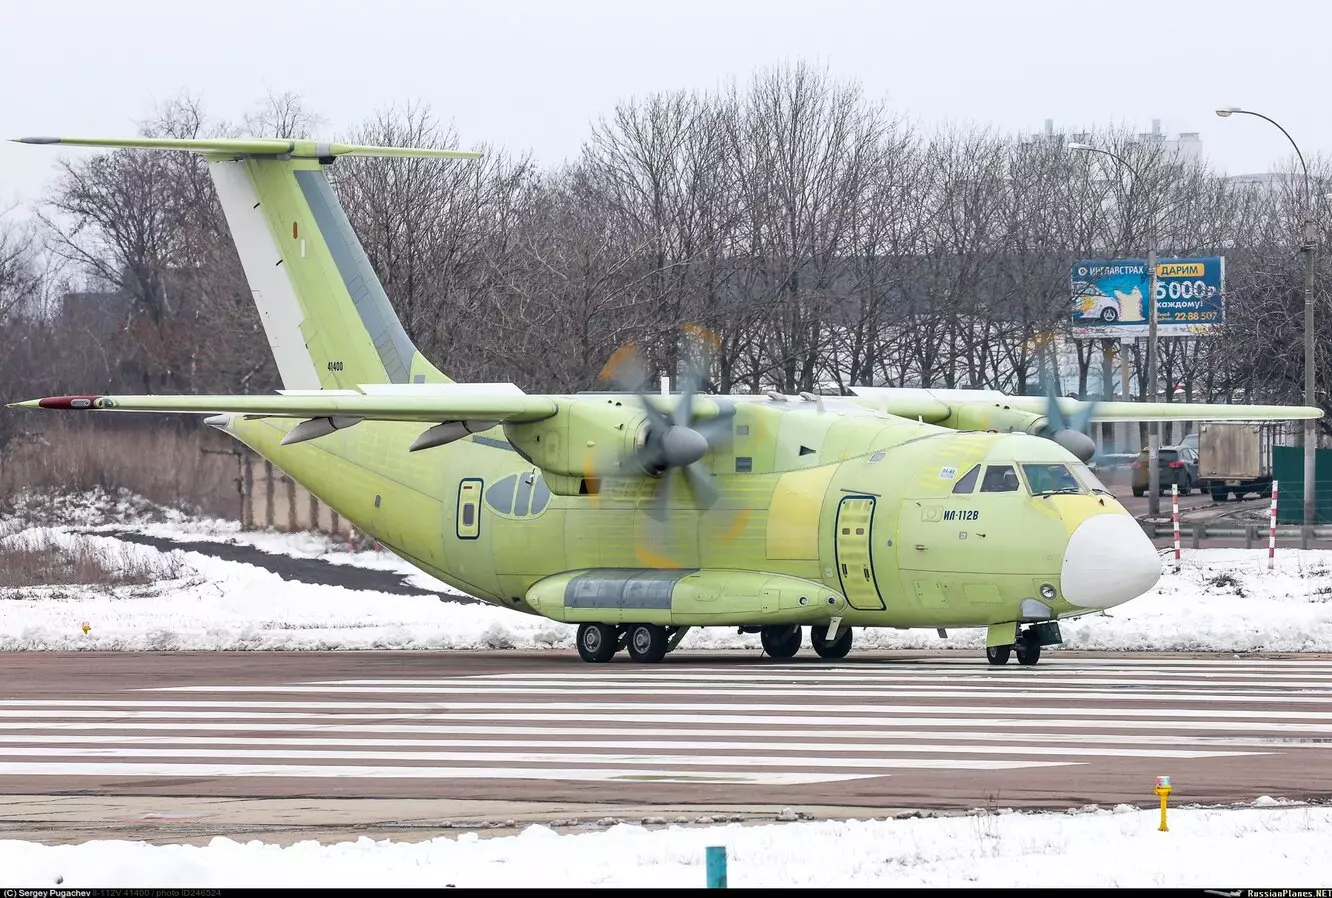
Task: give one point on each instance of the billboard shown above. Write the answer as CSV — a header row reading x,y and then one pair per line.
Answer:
x,y
1110,297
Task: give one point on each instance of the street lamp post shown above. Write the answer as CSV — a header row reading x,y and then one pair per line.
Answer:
x,y
1307,250
1153,426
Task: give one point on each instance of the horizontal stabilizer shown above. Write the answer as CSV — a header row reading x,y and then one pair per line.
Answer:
x,y
249,146
426,409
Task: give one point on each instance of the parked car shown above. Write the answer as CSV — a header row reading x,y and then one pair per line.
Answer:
x,y
1178,465
1092,302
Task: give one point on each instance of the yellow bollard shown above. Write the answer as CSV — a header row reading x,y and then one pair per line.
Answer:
x,y
1163,790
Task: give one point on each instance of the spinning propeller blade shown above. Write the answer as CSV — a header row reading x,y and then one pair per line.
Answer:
x,y
1070,432
674,446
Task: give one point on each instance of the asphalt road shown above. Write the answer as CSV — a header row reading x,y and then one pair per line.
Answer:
x,y
184,746
1195,506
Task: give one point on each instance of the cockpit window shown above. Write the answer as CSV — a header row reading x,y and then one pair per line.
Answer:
x,y
1089,478
968,481
1051,479
999,479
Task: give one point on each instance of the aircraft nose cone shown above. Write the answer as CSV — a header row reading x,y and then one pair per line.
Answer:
x,y
1109,560
681,446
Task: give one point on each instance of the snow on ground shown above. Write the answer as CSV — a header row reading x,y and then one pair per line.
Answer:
x,y
1217,600
1272,845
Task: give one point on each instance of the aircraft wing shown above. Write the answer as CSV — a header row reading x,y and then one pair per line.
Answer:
x,y
429,407
911,402
1168,411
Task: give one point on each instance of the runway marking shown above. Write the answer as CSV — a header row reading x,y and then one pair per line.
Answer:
x,y
488,710
1258,692
157,770
773,721
760,740
771,726
540,758
951,680
542,735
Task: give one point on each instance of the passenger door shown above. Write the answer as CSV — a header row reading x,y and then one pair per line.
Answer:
x,y
855,566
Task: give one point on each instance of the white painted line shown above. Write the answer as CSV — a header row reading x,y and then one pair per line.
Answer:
x,y
566,723
535,736
488,711
1260,692
977,668
538,758
761,741
805,674
110,769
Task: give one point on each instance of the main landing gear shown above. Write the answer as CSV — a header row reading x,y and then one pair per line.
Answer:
x,y
783,640
650,643
1028,644
647,643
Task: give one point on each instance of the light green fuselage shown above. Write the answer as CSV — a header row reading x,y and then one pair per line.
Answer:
x,y
820,515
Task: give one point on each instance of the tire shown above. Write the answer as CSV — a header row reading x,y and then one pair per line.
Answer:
x,y
597,643
831,650
1139,492
1110,315
647,643
781,642
1219,495
1028,652
998,654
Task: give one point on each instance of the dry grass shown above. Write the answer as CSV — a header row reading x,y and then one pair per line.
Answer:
x,y
163,462
40,558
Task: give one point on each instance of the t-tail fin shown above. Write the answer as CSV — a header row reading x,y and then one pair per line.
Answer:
x,y
324,311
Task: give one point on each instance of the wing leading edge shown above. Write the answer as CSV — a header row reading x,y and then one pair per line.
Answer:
x,y
317,404
909,399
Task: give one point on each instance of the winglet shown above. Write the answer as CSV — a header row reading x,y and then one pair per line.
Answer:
x,y
249,146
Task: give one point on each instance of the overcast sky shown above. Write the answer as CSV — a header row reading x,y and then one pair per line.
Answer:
x,y
531,75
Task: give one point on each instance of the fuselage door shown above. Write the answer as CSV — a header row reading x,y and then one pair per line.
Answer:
x,y
469,508
855,565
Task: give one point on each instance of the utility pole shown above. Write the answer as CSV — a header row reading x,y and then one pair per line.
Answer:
x,y
1125,376
1153,426
1310,399
1310,425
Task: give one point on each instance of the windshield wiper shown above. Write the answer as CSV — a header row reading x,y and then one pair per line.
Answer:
x,y
1060,491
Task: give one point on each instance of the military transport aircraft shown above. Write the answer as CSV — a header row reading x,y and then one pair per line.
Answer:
x,y
638,516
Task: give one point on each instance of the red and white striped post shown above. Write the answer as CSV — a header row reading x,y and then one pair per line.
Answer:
x,y
1174,511
1271,530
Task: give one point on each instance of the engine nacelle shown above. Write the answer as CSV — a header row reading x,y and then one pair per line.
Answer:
x,y
583,443
1000,418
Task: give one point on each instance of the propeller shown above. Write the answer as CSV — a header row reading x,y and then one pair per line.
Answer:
x,y
677,442
1069,432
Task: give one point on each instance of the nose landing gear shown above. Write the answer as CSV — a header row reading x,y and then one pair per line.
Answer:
x,y
1028,643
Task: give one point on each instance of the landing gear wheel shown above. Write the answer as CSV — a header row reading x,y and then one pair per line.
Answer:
x,y
1028,650
998,654
647,643
596,642
780,642
838,648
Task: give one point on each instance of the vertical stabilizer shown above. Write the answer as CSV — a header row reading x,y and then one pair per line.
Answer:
x,y
327,318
